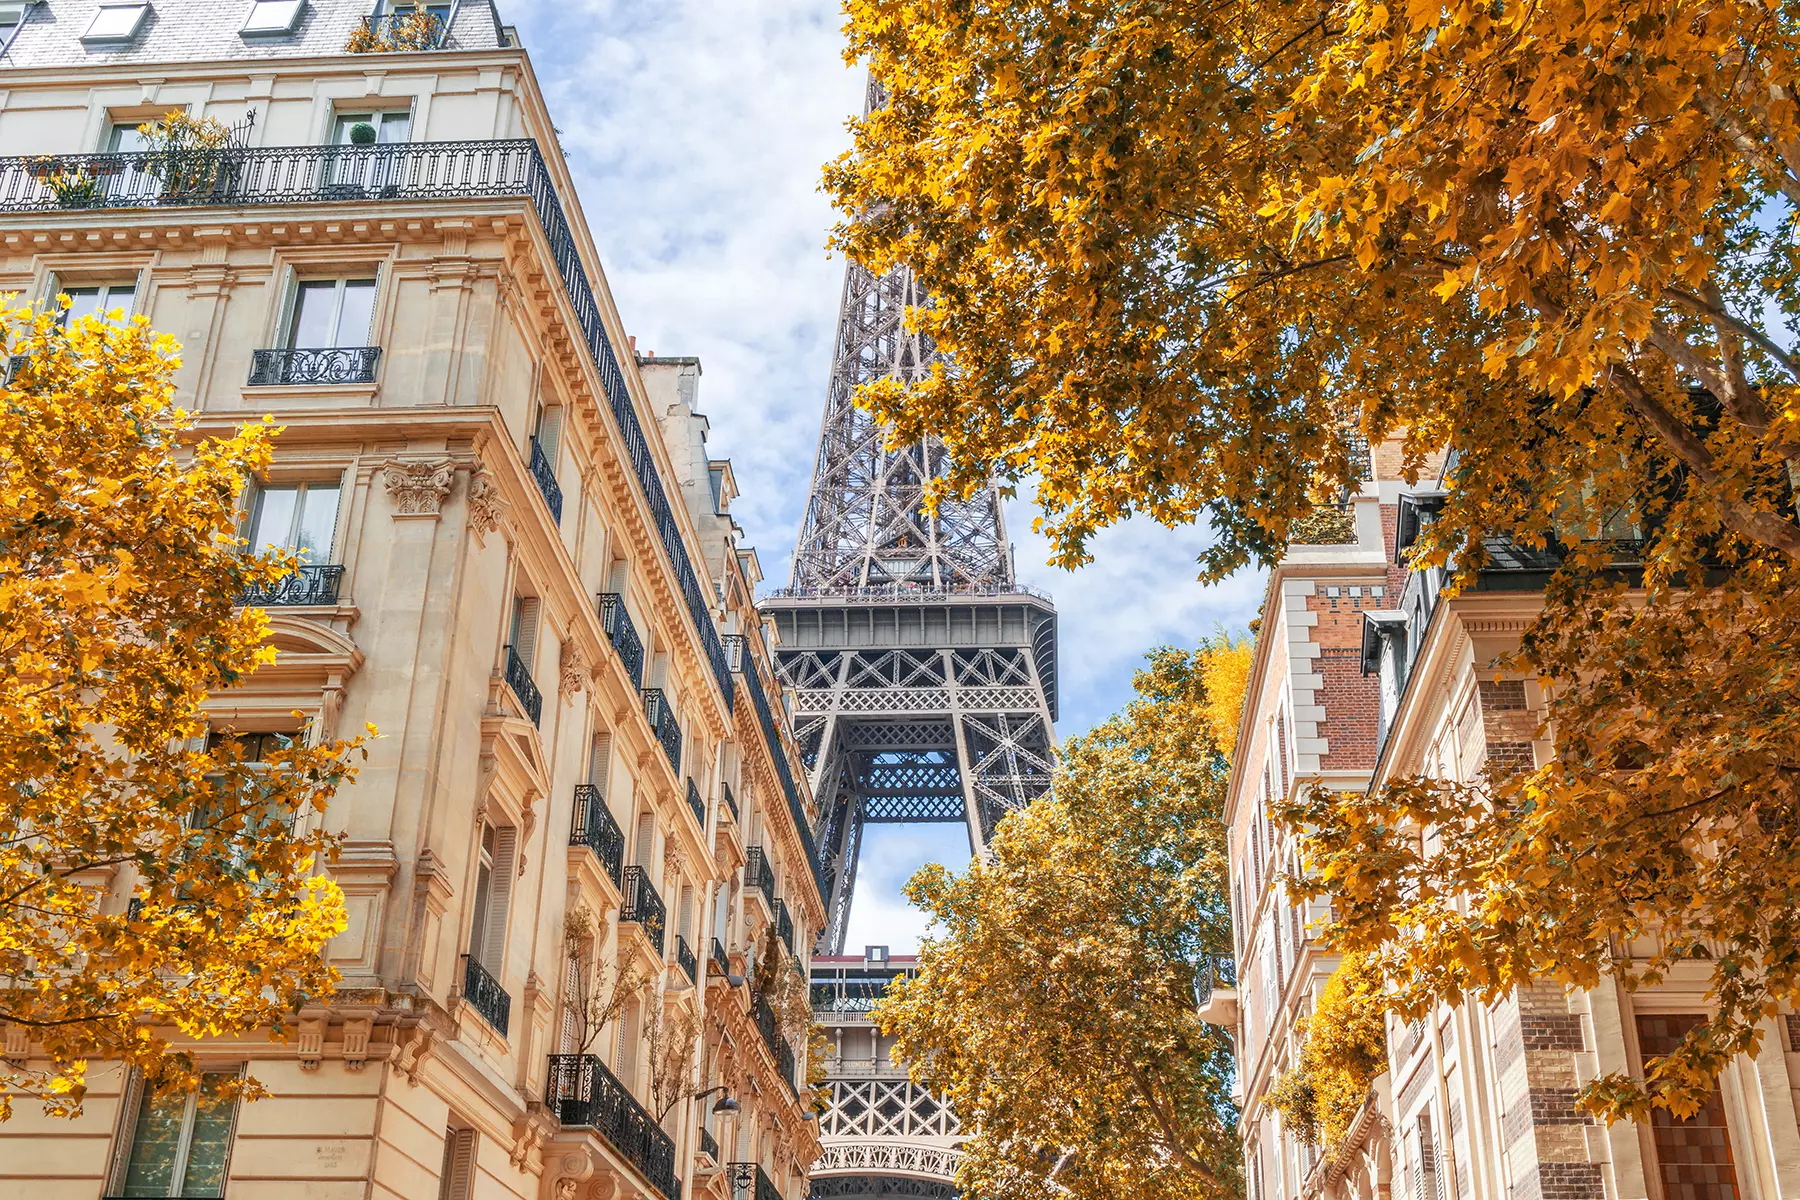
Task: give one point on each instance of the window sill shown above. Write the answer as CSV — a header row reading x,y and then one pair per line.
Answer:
x,y
300,395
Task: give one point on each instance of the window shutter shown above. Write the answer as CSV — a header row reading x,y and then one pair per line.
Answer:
x,y
570,1042
646,831
457,1182
625,1049
549,432
687,911
599,760
130,1100
506,867
524,630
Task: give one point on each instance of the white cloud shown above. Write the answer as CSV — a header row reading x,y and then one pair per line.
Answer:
x,y
696,131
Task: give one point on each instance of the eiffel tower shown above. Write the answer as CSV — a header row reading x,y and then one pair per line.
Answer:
x,y
924,688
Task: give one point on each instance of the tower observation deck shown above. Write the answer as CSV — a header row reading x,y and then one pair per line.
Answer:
x,y
924,679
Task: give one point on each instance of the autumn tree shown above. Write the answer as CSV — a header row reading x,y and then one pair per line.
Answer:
x,y
1053,1007
120,571
1180,253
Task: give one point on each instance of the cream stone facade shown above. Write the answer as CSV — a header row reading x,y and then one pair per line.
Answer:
x,y
1364,673
521,567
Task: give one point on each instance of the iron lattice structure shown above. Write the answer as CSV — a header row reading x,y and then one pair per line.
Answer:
x,y
924,690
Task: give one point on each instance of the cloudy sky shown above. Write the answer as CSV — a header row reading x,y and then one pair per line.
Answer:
x,y
696,131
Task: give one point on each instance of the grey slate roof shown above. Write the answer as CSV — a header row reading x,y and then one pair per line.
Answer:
x,y
207,30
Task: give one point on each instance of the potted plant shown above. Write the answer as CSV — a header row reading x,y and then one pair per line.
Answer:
x,y
188,155
74,189
362,134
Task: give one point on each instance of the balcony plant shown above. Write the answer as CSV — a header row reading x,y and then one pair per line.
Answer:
x,y
399,31
73,188
188,154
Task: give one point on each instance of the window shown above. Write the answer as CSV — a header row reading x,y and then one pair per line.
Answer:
x,y
123,137
330,313
115,24
179,1143
390,125
493,897
272,18
12,13
98,300
301,518
256,747
715,478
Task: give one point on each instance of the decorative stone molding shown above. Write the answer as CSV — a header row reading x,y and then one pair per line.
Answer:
x,y
527,1136
356,1042
573,670
310,1048
487,507
415,1047
419,486
18,1042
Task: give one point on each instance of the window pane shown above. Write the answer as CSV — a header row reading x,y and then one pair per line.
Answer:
x,y
211,1143
125,139
318,521
117,22
272,16
484,886
357,314
340,132
274,518
155,1139
313,304
83,302
396,126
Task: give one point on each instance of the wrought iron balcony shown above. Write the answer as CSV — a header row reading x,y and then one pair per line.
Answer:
x,y
684,958
582,1092
709,1145
721,963
485,995
623,635
748,1182
730,801
766,1025
307,584
394,32
545,473
664,726
642,905
518,678
328,365
695,804
745,664
396,172
595,828
758,874
784,925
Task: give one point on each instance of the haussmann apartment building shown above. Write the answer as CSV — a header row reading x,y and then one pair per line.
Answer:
x,y
1365,672
519,563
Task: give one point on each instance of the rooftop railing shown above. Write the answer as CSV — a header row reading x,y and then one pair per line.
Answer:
x,y
392,173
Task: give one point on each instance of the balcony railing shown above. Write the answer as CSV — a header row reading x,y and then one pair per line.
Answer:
x,y
784,925
765,716
330,365
623,635
642,905
308,584
758,874
709,1145
582,1092
664,725
748,1182
721,963
695,804
400,172
766,1025
518,678
730,801
596,829
684,958
545,474
485,995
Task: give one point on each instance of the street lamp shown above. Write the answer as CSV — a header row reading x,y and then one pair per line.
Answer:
x,y
724,1104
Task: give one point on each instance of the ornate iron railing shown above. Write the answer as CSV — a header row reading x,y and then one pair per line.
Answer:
x,y
709,1145
764,1016
696,805
545,474
684,958
642,905
748,1182
765,716
720,961
401,171
581,1091
399,31
518,678
307,584
731,805
485,995
328,365
664,725
758,874
784,925
596,829
623,635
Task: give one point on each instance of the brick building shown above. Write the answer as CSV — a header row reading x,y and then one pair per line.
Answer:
x,y
1364,673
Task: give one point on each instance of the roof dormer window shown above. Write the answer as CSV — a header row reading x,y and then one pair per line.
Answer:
x,y
116,24
272,18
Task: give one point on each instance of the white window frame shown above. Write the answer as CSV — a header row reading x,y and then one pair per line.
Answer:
x,y
125,1135
60,287
371,115
296,9
290,309
253,513
91,38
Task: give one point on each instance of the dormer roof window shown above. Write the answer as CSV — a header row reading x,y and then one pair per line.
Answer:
x,y
272,18
116,24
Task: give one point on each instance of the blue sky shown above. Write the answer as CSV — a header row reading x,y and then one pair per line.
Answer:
x,y
696,131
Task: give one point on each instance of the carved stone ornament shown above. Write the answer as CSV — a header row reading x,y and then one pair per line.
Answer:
x,y
674,861
419,486
573,674
311,1048
356,1042
414,1049
487,507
